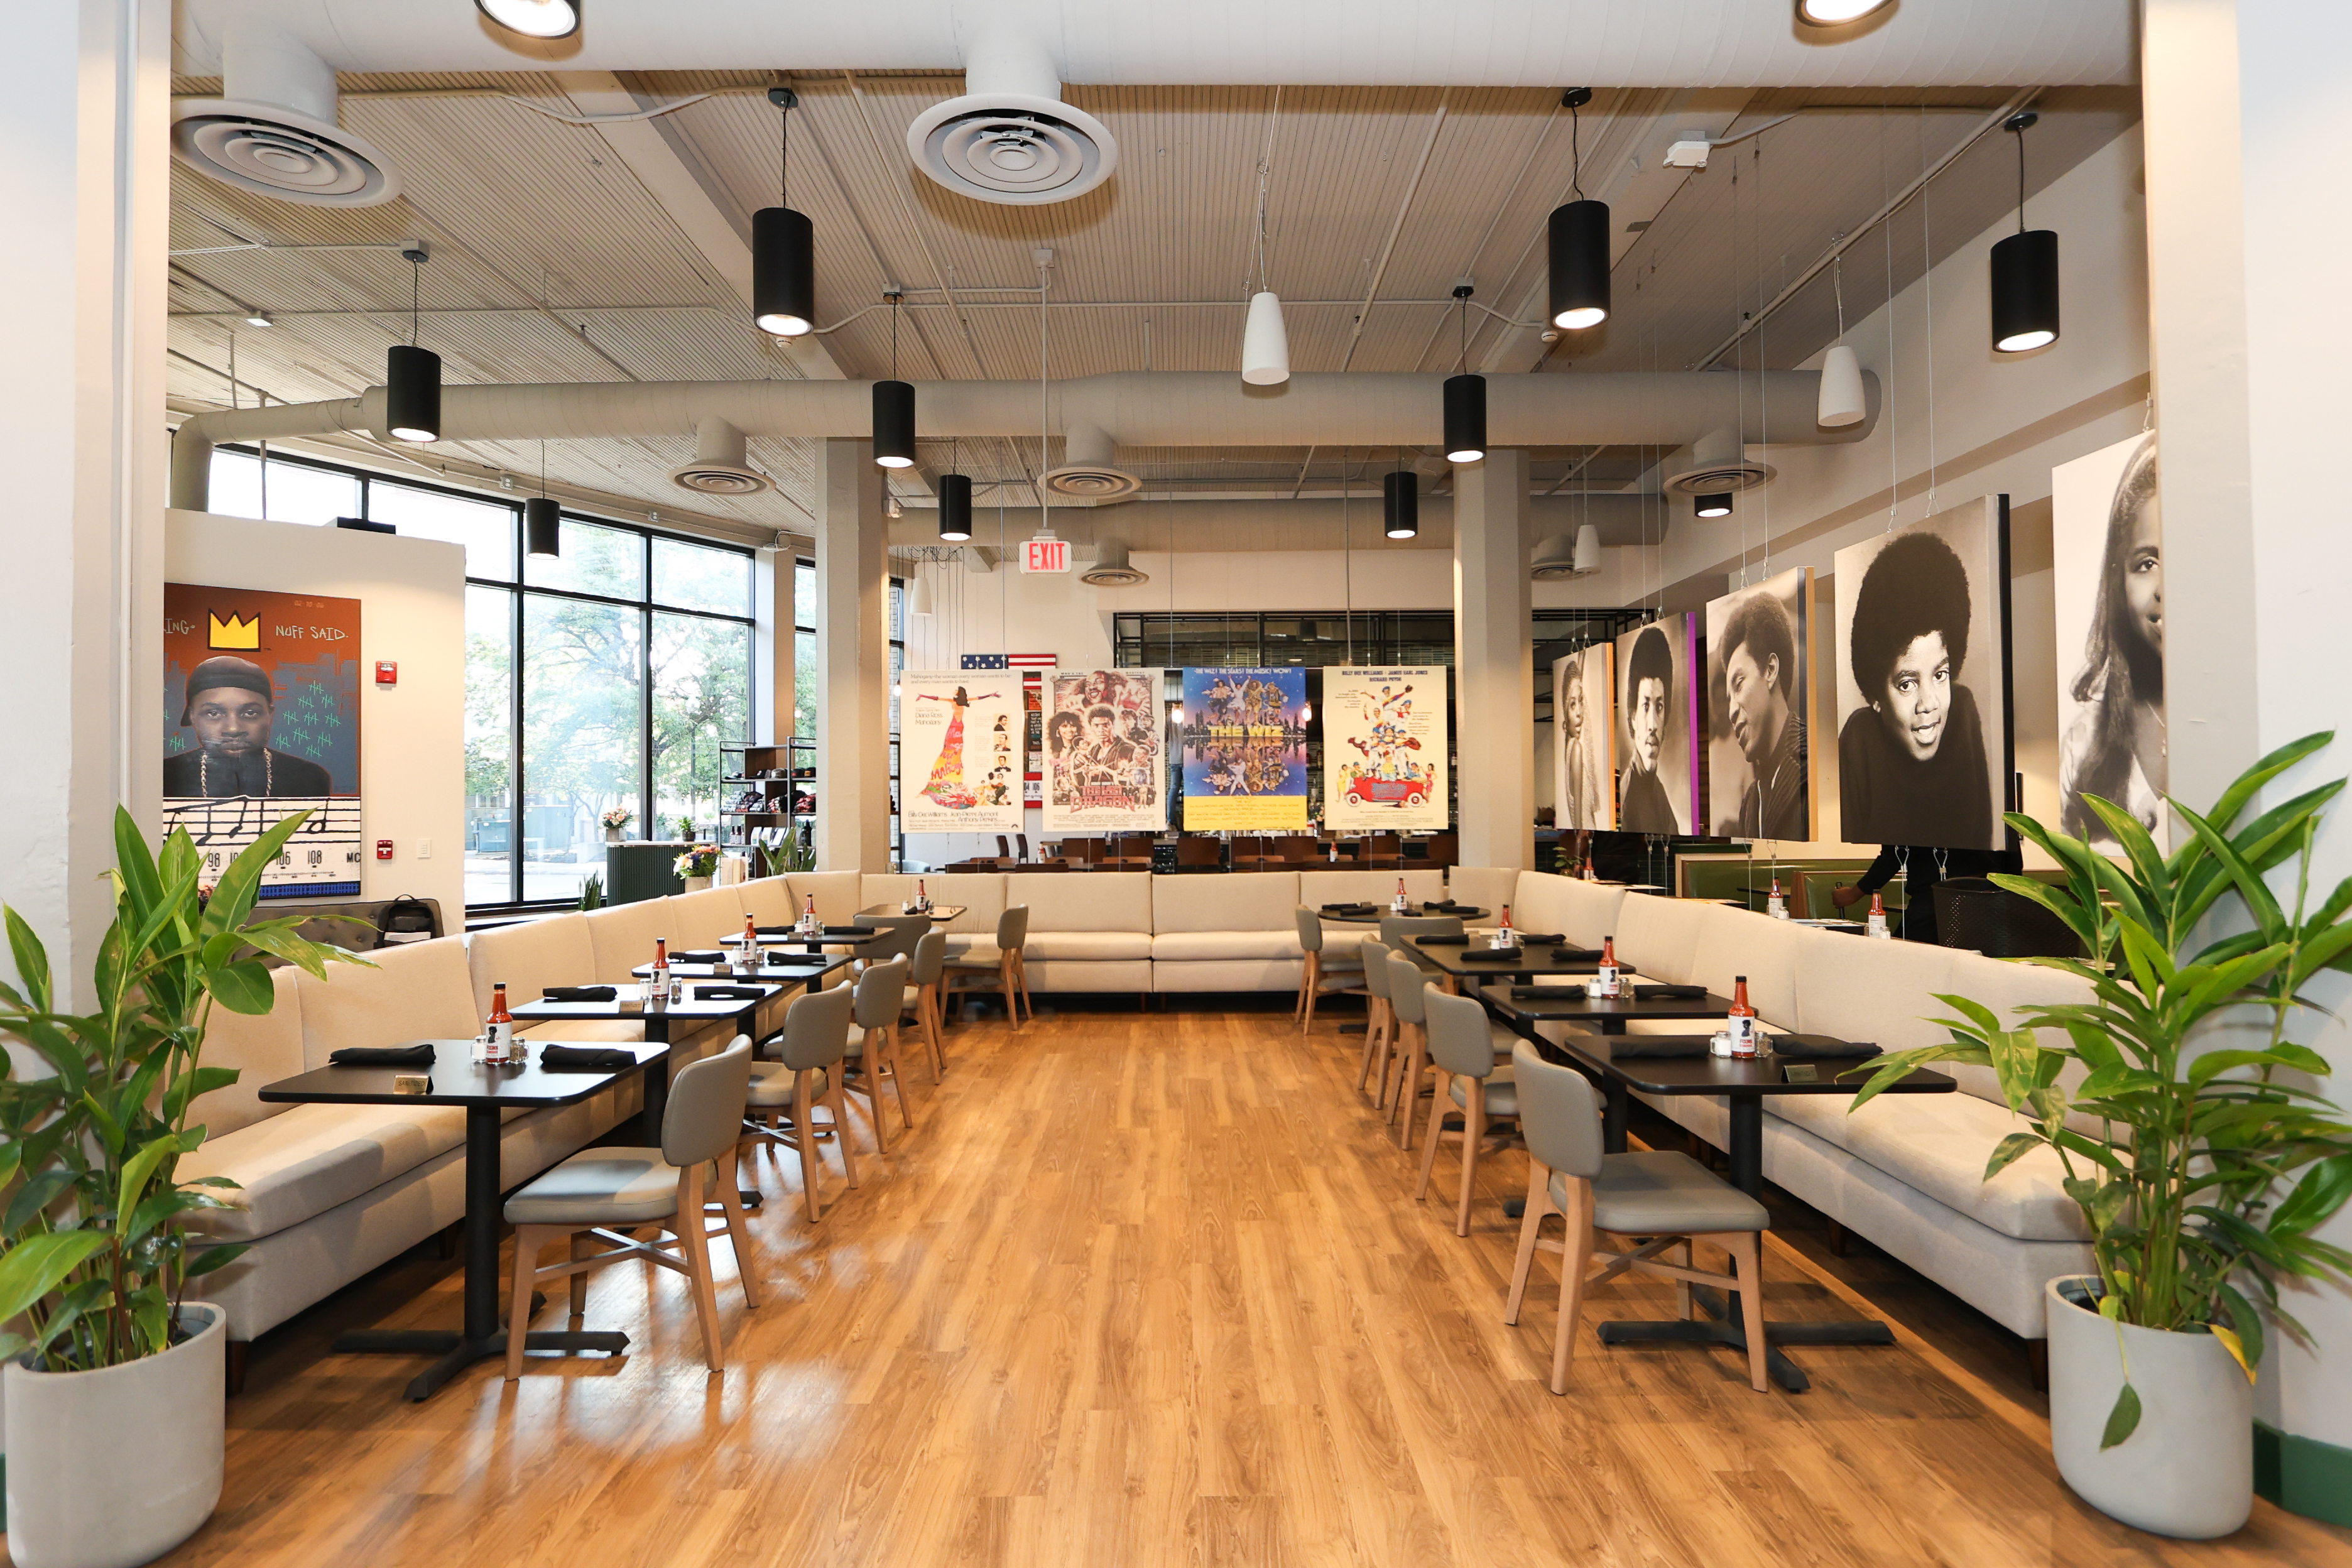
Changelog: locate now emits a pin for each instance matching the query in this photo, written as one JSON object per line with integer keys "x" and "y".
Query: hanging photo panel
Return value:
{"x": 960, "y": 733}
{"x": 1384, "y": 750}
{"x": 1922, "y": 682}
{"x": 1104, "y": 766}
{"x": 1758, "y": 693}
{"x": 1583, "y": 749}
{"x": 1658, "y": 753}
{"x": 2107, "y": 549}
{"x": 1244, "y": 742}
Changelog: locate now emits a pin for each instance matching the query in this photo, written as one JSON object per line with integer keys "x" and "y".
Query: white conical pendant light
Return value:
{"x": 919, "y": 603}
{"x": 1265, "y": 347}
{"x": 1841, "y": 401}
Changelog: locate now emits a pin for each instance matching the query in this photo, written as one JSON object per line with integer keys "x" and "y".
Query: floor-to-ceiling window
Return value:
{"x": 606, "y": 676}
{"x": 805, "y": 687}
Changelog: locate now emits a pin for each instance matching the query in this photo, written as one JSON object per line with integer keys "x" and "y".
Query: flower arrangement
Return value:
{"x": 702, "y": 860}
{"x": 617, "y": 817}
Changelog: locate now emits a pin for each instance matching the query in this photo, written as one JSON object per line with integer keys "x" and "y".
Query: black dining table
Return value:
{"x": 660, "y": 1018}
{"x": 486, "y": 1094}
{"x": 1374, "y": 917}
{"x": 1476, "y": 961}
{"x": 940, "y": 913}
{"x": 853, "y": 937}
{"x": 1667, "y": 1065}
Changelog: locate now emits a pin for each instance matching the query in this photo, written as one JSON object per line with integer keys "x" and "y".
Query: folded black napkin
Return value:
{"x": 1547, "y": 992}
{"x": 1668, "y": 993}
{"x": 382, "y": 1055}
{"x": 1805, "y": 1047}
{"x": 699, "y": 955}
{"x": 586, "y": 1058}
{"x": 1575, "y": 955}
{"x": 854, "y": 931}
{"x": 1491, "y": 955}
{"x": 1446, "y": 907}
{"x": 1348, "y": 908}
{"x": 1540, "y": 938}
{"x": 579, "y": 993}
{"x": 1443, "y": 941}
{"x": 728, "y": 993}
{"x": 1621, "y": 1047}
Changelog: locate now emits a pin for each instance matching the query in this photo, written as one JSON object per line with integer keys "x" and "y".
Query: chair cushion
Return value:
{"x": 1486, "y": 888}
{"x": 1259, "y": 901}
{"x": 623, "y": 937}
{"x": 1733, "y": 943}
{"x": 1939, "y": 1143}
{"x": 1100, "y": 901}
{"x": 263, "y": 1048}
{"x": 1501, "y": 1092}
{"x": 600, "y": 1186}
{"x": 421, "y": 992}
{"x": 701, "y": 918}
{"x": 1178, "y": 946}
{"x": 1093, "y": 945}
{"x": 310, "y": 1158}
{"x": 1664, "y": 1195}
{"x": 974, "y": 953}
{"x": 773, "y": 1083}
{"x": 530, "y": 956}
{"x": 1660, "y": 934}
{"x": 768, "y": 901}
{"x": 838, "y": 894}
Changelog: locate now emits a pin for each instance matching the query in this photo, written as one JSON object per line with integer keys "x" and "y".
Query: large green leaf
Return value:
{"x": 243, "y": 987}
{"x": 31, "y": 958}
{"x": 2123, "y": 1420}
{"x": 2318, "y": 1196}
{"x": 2010, "y": 1150}
{"x": 39, "y": 1263}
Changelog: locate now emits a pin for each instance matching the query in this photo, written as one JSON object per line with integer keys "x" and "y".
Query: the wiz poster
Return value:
{"x": 1384, "y": 750}
{"x": 1245, "y": 740}
{"x": 961, "y": 734}
{"x": 1103, "y": 753}
{"x": 261, "y": 719}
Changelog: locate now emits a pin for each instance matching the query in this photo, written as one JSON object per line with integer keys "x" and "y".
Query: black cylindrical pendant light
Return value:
{"x": 955, "y": 508}
{"x": 542, "y": 526}
{"x": 1715, "y": 505}
{"x": 1400, "y": 502}
{"x": 894, "y": 424}
{"x": 2024, "y": 272}
{"x": 1578, "y": 241}
{"x": 783, "y": 247}
{"x": 411, "y": 392}
{"x": 1465, "y": 418}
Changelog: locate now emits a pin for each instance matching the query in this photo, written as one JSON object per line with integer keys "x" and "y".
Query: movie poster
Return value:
{"x": 261, "y": 719}
{"x": 1757, "y": 701}
{"x": 1384, "y": 750}
{"x": 1102, "y": 754}
{"x": 1244, "y": 744}
{"x": 1922, "y": 679}
{"x": 2107, "y": 547}
{"x": 1658, "y": 782}
{"x": 1584, "y": 750}
{"x": 961, "y": 733}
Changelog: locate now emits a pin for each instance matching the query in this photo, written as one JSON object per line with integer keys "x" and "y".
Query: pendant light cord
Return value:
{"x": 1575, "y": 153}
{"x": 2021, "y": 177}
{"x": 785, "y": 156}
{"x": 416, "y": 298}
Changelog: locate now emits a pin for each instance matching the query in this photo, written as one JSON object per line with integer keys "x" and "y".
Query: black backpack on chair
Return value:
{"x": 407, "y": 920}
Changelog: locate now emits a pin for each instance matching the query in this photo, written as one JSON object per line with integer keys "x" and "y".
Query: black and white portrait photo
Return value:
{"x": 1584, "y": 771}
{"x": 2107, "y": 550}
{"x": 1758, "y": 763}
{"x": 1923, "y": 747}
{"x": 1657, "y": 728}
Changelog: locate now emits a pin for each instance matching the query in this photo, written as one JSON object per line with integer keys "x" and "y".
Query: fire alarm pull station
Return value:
{"x": 384, "y": 849}
{"x": 387, "y": 672}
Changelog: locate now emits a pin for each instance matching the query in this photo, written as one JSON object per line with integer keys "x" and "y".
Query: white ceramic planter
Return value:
{"x": 2188, "y": 1470}
{"x": 114, "y": 1468}
{"x": 697, "y": 884}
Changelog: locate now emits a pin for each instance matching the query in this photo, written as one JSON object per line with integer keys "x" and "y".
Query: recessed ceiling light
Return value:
{"x": 1836, "y": 13}
{"x": 259, "y": 319}
{"x": 533, "y": 19}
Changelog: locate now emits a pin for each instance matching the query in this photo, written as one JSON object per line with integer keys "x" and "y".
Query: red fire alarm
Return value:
{"x": 384, "y": 849}
{"x": 387, "y": 672}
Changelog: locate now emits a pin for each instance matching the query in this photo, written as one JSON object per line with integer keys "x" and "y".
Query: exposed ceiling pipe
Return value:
{"x": 1273, "y": 522}
{"x": 1471, "y": 43}
{"x": 1134, "y": 408}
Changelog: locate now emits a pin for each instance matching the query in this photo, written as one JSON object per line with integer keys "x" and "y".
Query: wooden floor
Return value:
{"x": 1146, "y": 1288}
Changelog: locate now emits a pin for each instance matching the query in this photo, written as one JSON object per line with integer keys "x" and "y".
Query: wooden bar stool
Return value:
{"x": 925, "y": 970}
{"x": 1380, "y": 1026}
{"x": 1462, "y": 1050}
{"x": 1669, "y": 1200}
{"x": 1002, "y": 961}
{"x": 784, "y": 1094}
{"x": 1409, "y": 985}
{"x": 879, "y": 999}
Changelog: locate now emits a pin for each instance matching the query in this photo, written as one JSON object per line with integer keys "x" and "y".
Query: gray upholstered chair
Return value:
{"x": 784, "y": 1094}
{"x": 1669, "y": 1200}
{"x": 879, "y": 1000}
{"x": 927, "y": 965}
{"x": 1380, "y": 1026}
{"x": 998, "y": 969}
{"x": 1344, "y": 973}
{"x": 906, "y": 932}
{"x": 1397, "y": 930}
{"x": 1463, "y": 1052}
{"x": 1409, "y": 984}
{"x": 610, "y": 1193}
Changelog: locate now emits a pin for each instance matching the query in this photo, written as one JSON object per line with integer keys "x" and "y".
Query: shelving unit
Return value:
{"x": 771, "y": 786}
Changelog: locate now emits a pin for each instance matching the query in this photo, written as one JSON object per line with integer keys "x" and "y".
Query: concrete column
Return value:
{"x": 773, "y": 647}
{"x": 853, "y": 663}
{"x": 83, "y": 439}
{"x": 1494, "y": 673}
{"x": 2245, "y": 258}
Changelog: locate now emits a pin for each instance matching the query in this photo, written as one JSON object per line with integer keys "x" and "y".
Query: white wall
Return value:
{"x": 412, "y": 595}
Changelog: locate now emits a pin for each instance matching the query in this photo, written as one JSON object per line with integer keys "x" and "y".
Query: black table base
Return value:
{"x": 457, "y": 1352}
{"x": 1725, "y": 1329}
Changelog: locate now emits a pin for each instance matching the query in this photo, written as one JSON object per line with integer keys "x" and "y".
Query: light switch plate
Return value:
{"x": 425, "y": 849}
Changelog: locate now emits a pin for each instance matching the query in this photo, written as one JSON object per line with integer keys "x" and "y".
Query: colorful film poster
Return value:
{"x": 1105, "y": 760}
{"x": 1384, "y": 750}
{"x": 962, "y": 733}
{"x": 1245, "y": 741}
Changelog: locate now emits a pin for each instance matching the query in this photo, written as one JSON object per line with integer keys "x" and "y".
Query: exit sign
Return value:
{"x": 1046, "y": 554}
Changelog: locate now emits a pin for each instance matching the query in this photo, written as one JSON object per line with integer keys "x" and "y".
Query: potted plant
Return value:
{"x": 615, "y": 820}
{"x": 2212, "y": 1164}
{"x": 114, "y": 1408}
{"x": 699, "y": 865}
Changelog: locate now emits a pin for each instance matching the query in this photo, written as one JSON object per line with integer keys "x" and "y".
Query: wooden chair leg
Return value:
{"x": 694, "y": 1247}
{"x": 803, "y": 1086}
{"x": 1372, "y": 1040}
{"x": 529, "y": 1238}
{"x": 1409, "y": 1085}
{"x": 839, "y": 1098}
{"x": 1573, "y": 1264}
{"x": 1435, "y": 1135}
{"x": 1748, "y": 1256}
{"x": 1021, "y": 973}
{"x": 927, "y": 1019}
{"x": 1012, "y": 989}
{"x": 897, "y": 1077}
{"x": 869, "y": 1068}
{"x": 581, "y": 1250}
{"x": 1530, "y": 1231}
{"x": 739, "y": 1227}
{"x": 1474, "y": 1132}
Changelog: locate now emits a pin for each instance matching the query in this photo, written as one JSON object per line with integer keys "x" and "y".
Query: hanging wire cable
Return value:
{"x": 1927, "y": 302}
{"x": 415, "y": 296}
{"x": 1575, "y": 149}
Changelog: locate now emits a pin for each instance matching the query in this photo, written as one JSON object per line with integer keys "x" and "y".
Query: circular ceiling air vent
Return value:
{"x": 718, "y": 478}
{"x": 1715, "y": 478}
{"x": 274, "y": 151}
{"x": 1111, "y": 569}
{"x": 1096, "y": 482}
{"x": 1013, "y": 148}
